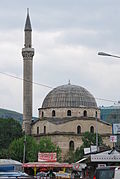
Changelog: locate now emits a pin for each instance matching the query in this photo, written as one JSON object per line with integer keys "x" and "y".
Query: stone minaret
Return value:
{"x": 27, "y": 53}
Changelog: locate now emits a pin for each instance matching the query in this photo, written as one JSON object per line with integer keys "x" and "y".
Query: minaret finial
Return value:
{"x": 27, "y": 11}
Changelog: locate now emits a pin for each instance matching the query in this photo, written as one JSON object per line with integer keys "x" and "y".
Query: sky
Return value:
{"x": 67, "y": 36}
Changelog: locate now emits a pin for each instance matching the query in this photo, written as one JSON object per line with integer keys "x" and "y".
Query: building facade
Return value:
{"x": 110, "y": 114}
{"x": 66, "y": 113}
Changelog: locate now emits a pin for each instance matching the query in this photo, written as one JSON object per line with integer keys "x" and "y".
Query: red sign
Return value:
{"x": 113, "y": 138}
{"x": 47, "y": 157}
{"x": 77, "y": 167}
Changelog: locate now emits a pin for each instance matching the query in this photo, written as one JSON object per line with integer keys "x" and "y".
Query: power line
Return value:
{"x": 26, "y": 80}
{"x": 102, "y": 99}
{"x": 108, "y": 100}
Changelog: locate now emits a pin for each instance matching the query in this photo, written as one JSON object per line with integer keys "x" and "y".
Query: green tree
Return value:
{"x": 4, "y": 153}
{"x": 32, "y": 148}
{"x": 69, "y": 157}
{"x": 10, "y": 129}
{"x": 17, "y": 146}
{"x": 88, "y": 139}
{"x": 46, "y": 145}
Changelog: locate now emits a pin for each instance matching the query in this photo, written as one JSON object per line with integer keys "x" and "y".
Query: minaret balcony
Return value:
{"x": 28, "y": 52}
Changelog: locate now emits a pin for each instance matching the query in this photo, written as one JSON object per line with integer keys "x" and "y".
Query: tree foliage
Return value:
{"x": 45, "y": 145}
{"x": 32, "y": 148}
{"x": 12, "y": 143}
{"x": 88, "y": 139}
{"x": 4, "y": 153}
{"x": 10, "y": 129}
{"x": 69, "y": 157}
{"x": 16, "y": 149}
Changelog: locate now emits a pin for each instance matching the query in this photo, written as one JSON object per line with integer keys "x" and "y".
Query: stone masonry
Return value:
{"x": 27, "y": 53}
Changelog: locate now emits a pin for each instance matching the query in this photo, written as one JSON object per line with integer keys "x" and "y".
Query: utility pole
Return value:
{"x": 24, "y": 150}
{"x": 96, "y": 131}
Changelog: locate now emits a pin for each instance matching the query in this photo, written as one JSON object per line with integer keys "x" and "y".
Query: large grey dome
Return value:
{"x": 69, "y": 96}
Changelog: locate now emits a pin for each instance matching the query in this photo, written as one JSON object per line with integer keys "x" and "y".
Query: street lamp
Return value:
{"x": 107, "y": 54}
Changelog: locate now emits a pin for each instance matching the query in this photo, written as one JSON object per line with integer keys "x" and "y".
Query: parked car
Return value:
{"x": 12, "y": 174}
{"x": 108, "y": 172}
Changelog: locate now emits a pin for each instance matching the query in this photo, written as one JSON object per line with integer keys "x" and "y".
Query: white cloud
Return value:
{"x": 67, "y": 36}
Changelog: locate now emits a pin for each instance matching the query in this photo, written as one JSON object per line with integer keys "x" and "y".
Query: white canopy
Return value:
{"x": 107, "y": 156}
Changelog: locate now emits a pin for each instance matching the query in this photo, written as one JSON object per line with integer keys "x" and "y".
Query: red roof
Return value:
{"x": 47, "y": 165}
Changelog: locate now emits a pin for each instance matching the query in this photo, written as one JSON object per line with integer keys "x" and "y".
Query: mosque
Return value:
{"x": 67, "y": 111}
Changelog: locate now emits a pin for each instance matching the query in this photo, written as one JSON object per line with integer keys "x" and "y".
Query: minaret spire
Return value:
{"x": 28, "y": 23}
{"x": 27, "y": 53}
{"x": 28, "y": 31}
{"x": 27, "y": 10}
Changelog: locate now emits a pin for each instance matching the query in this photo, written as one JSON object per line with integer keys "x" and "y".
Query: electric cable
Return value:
{"x": 102, "y": 99}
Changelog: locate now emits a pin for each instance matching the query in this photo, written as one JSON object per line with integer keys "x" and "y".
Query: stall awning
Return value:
{"x": 47, "y": 165}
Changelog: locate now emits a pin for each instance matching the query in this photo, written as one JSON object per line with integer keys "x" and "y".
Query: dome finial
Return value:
{"x": 69, "y": 82}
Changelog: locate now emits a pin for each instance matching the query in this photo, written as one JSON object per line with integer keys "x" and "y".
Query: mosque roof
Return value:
{"x": 69, "y": 96}
{"x": 58, "y": 121}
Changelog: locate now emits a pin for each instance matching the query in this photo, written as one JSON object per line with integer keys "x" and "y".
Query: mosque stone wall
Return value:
{"x": 106, "y": 140}
{"x": 71, "y": 126}
{"x": 75, "y": 112}
{"x": 63, "y": 128}
{"x": 63, "y": 141}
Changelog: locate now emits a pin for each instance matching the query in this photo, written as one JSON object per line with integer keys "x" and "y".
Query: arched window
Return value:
{"x": 78, "y": 129}
{"x": 42, "y": 114}
{"x": 85, "y": 113}
{"x": 44, "y": 129}
{"x": 37, "y": 130}
{"x": 92, "y": 129}
{"x": 96, "y": 114}
{"x": 69, "y": 113}
{"x": 71, "y": 145}
{"x": 53, "y": 113}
